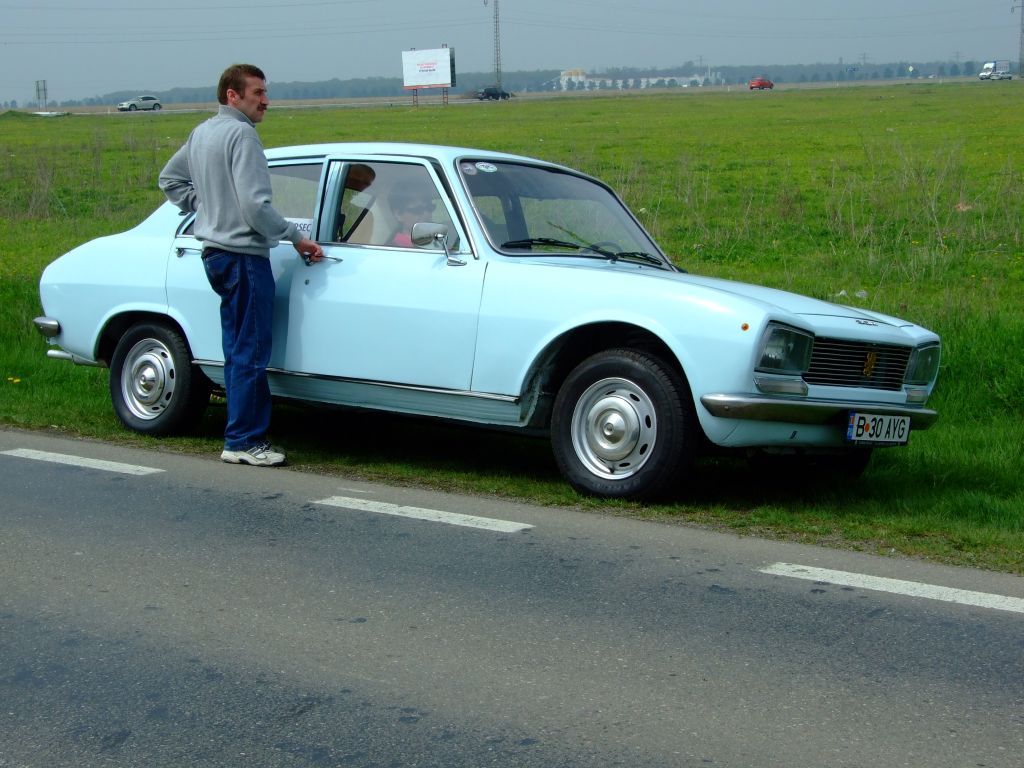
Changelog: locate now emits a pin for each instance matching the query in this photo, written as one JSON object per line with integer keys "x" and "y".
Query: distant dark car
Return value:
{"x": 760, "y": 83}
{"x": 492, "y": 93}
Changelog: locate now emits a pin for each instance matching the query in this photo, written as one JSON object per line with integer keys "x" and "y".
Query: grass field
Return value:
{"x": 906, "y": 199}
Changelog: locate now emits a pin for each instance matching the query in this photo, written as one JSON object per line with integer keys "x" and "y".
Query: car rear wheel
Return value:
{"x": 157, "y": 107}
{"x": 623, "y": 426}
{"x": 154, "y": 387}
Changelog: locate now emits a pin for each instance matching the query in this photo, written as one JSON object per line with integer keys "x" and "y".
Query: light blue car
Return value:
{"x": 504, "y": 291}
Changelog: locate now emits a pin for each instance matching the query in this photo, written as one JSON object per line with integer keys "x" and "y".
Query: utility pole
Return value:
{"x": 497, "y": 44}
{"x": 1020, "y": 49}
{"x": 41, "y": 95}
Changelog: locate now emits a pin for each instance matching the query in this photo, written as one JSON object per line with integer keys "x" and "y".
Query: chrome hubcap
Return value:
{"x": 147, "y": 385}
{"x": 614, "y": 428}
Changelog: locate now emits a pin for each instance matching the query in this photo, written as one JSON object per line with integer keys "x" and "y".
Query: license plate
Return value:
{"x": 877, "y": 430}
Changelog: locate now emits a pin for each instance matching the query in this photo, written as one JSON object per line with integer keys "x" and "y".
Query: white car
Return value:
{"x": 140, "y": 102}
{"x": 1000, "y": 74}
{"x": 526, "y": 297}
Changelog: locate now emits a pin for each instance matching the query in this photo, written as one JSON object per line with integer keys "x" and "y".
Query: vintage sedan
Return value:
{"x": 525, "y": 296}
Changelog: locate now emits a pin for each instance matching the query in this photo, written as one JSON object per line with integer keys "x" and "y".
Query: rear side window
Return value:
{"x": 294, "y": 188}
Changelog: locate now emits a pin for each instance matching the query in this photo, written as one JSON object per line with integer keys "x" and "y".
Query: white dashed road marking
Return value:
{"x": 898, "y": 586}
{"x": 419, "y": 513}
{"x": 790, "y": 570}
{"x": 81, "y": 461}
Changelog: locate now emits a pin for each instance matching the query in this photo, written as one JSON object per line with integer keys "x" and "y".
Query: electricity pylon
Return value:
{"x": 497, "y": 44}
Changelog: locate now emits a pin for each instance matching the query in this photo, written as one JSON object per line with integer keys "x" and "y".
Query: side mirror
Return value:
{"x": 425, "y": 233}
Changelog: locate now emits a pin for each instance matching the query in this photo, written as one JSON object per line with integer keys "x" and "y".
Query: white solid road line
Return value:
{"x": 897, "y": 586}
{"x": 419, "y": 513}
{"x": 81, "y": 461}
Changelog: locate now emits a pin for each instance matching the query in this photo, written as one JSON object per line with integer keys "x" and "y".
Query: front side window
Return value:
{"x": 381, "y": 201}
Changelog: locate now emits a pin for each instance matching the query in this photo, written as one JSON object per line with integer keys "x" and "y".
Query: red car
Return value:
{"x": 760, "y": 83}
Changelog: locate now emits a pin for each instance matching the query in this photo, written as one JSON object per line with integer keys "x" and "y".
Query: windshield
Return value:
{"x": 532, "y": 210}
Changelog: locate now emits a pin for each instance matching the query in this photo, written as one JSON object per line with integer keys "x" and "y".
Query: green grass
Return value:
{"x": 904, "y": 199}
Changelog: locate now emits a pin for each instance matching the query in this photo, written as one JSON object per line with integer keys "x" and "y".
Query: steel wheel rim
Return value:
{"x": 614, "y": 428}
{"x": 148, "y": 378}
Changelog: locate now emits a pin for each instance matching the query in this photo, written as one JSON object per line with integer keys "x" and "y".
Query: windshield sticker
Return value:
{"x": 305, "y": 226}
{"x": 486, "y": 167}
{"x": 469, "y": 169}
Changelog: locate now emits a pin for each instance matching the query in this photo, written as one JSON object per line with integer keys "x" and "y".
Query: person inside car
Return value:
{"x": 355, "y": 220}
{"x": 409, "y": 208}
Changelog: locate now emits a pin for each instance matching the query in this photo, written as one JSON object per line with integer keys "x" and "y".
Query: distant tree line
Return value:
{"x": 548, "y": 80}
{"x": 840, "y": 72}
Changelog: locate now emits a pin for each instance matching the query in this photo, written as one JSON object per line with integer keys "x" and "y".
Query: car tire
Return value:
{"x": 157, "y": 107}
{"x": 154, "y": 387}
{"x": 132, "y": 107}
{"x": 623, "y": 426}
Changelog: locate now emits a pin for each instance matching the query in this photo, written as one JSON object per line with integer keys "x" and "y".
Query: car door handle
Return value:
{"x": 310, "y": 262}
{"x": 181, "y": 251}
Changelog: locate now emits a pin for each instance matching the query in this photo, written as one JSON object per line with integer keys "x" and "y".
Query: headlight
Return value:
{"x": 785, "y": 350}
{"x": 923, "y": 366}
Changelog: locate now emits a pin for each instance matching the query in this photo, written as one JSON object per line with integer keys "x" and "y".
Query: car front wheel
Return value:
{"x": 623, "y": 426}
{"x": 154, "y": 387}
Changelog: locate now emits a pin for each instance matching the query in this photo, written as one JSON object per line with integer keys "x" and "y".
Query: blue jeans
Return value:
{"x": 245, "y": 285}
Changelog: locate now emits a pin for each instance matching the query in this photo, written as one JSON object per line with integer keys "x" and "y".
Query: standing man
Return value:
{"x": 221, "y": 173}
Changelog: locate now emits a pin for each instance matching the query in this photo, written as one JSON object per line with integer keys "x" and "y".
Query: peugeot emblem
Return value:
{"x": 870, "y": 361}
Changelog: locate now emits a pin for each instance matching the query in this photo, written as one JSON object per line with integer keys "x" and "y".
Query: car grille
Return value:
{"x": 838, "y": 363}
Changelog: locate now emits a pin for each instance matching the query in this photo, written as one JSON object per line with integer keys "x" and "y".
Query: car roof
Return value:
{"x": 385, "y": 149}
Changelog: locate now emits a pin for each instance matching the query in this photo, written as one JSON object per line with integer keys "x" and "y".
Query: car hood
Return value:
{"x": 792, "y": 303}
{"x": 816, "y": 312}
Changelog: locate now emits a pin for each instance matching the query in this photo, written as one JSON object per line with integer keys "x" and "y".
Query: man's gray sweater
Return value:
{"x": 221, "y": 174}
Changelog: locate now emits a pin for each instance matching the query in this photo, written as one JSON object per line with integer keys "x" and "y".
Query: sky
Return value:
{"x": 87, "y": 48}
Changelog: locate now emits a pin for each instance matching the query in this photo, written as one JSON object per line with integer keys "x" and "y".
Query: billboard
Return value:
{"x": 428, "y": 69}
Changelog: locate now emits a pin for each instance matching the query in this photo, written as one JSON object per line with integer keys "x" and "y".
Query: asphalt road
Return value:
{"x": 215, "y": 615}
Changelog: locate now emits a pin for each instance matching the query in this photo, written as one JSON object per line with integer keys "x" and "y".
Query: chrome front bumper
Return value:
{"x": 762, "y": 408}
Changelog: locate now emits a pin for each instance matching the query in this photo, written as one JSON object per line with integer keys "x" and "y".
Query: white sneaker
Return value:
{"x": 262, "y": 455}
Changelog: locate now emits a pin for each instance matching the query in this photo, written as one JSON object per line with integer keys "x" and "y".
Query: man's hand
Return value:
{"x": 309, "y": 250}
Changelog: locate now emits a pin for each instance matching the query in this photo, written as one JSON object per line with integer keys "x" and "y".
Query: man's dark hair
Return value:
{"x": 234, "y": 78}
